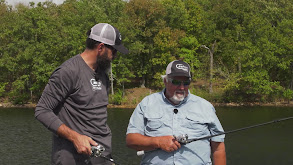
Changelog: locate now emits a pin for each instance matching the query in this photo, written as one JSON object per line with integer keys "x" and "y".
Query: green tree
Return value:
{"x": 144, "y": 21}
{"x": 248, "y": 46}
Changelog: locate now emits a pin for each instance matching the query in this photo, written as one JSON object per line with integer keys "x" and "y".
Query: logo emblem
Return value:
{"x": 182, "y": 67}
{"x": 96, "y": 85}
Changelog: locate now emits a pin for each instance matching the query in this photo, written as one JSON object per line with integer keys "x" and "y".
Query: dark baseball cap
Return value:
{"x": 109, "y": 35}
{"x": 178, "y": 68}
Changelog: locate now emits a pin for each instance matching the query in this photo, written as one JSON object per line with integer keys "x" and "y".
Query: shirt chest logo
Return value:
{"x": 96, "y": 85}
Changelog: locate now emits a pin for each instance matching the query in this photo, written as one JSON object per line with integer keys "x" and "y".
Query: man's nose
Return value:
{"x": 181, "y": 86}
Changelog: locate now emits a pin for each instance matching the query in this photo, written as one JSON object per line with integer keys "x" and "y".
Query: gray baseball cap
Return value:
{"x": 178, "y": 68}
{"x": 109, "y": 35}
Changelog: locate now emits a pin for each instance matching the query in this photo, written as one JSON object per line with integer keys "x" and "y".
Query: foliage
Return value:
{"x": 2, "y": 88}
{"x": 288, "y": 94}
{"x": 251, "y": 43}
{"x": 117, "y": 98}
{"x": 216, "y": 97}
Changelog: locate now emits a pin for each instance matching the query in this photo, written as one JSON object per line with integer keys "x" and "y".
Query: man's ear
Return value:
{"x": 165, "y": 81}
{"x": 101, "y": 47}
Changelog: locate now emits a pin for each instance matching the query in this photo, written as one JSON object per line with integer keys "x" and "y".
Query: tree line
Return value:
{"x": 245, "y": 46}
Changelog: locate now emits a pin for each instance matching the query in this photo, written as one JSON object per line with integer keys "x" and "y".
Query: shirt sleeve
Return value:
{"x": 54, "y": 94}
{"x": 137, "y": 122}
{"x": 216, "y": 128}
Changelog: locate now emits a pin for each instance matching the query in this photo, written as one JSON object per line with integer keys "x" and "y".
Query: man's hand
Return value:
{"x": 81, "y": 143}
{"x": 140, "y": 142}
{"x": 168, "y": 143}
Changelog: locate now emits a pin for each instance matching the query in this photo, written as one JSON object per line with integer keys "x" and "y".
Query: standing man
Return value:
{"x": 74, "y": 102}
{"x": 175, "y": 111}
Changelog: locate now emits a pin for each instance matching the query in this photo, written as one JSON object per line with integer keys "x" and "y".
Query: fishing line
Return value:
{"x": 185, "y": 139}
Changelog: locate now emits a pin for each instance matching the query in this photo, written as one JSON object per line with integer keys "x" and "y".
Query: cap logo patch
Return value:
{"x": 182, "y": 67}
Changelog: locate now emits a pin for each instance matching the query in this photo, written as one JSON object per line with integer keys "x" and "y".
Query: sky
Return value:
{"x": 13, "y": 2}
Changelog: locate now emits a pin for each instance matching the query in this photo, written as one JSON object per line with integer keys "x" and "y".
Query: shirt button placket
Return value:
{"x": 175, "y": 128}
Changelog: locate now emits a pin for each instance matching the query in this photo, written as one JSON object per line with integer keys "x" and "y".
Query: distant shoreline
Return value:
{"x": 274, "y": 104}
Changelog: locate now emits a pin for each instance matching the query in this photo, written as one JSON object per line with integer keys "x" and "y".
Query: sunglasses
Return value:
{"x": 179, "y": 82}
{"x": 111, "y": 48}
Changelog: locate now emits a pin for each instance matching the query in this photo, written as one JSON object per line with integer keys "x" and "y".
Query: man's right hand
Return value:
{"x": 140, "y": 142}
{"x": 81, "y": 143}
{"x": 168, "y": 143}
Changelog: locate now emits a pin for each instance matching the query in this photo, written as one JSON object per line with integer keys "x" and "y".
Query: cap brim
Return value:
{"x": 121, "y": 48}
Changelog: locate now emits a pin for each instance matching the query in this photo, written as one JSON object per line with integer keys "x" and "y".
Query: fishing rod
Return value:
{"x": 236, "y": 130}
{"x": 97, "y": 152}
{"x": 183, "y": 139}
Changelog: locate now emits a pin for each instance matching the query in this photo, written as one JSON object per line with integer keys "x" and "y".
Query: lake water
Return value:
{"x": 24, "y": 141}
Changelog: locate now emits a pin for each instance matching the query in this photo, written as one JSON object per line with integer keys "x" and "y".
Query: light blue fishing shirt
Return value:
{"x": 196, "y": 117}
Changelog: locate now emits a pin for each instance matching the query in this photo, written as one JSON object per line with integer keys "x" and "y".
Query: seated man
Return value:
{"x": 173, "y": 112}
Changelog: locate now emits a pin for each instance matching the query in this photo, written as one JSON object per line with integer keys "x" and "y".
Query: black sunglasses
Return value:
{"x": 179, "y": 82}
{"x": 111, "y": 48}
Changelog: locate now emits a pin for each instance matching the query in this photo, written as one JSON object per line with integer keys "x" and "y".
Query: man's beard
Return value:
{"x": 103, "y": 66}
{"x": 177, "y": 98}
{"x": 103, "y": 63}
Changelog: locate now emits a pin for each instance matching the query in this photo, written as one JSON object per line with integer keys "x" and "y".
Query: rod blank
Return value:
{"x": 239, "y": 129}
{"x": 140, "y": 153}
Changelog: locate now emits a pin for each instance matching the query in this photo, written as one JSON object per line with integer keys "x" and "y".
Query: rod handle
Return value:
{"x": 140, "y": 153}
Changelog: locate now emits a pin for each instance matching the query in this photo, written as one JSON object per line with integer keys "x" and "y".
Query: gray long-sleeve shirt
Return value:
{"x": 73, "y": 97}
